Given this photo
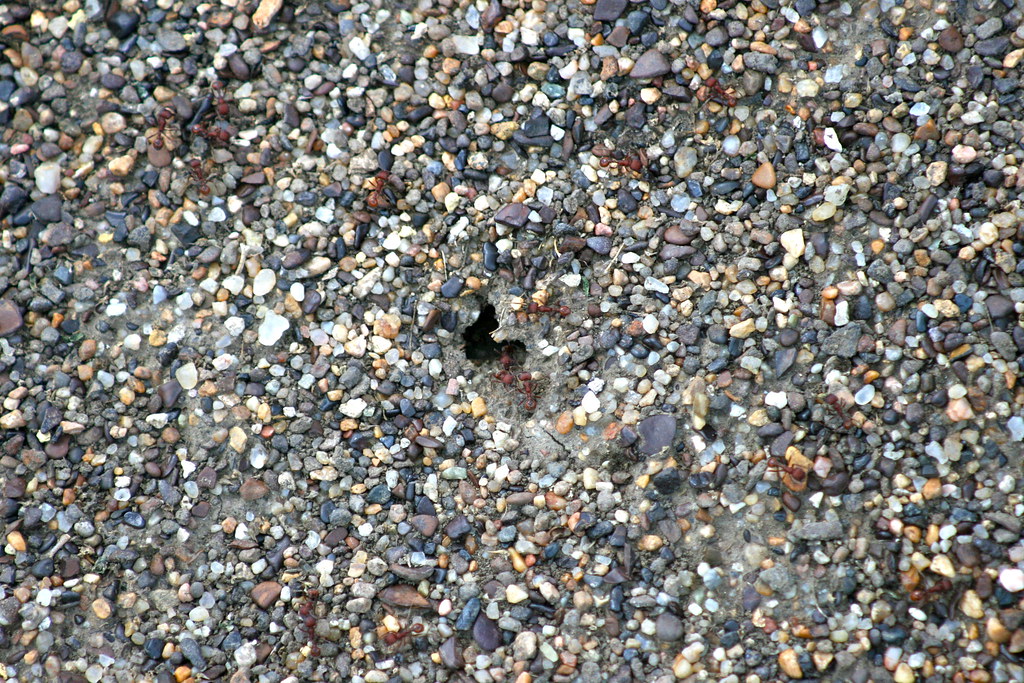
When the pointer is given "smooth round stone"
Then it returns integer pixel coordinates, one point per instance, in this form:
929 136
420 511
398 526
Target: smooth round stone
731 145
264 282
864 395
298 291
900 143
823 211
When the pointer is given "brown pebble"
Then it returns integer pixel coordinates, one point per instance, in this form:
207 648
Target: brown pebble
266 593
253 489
764 176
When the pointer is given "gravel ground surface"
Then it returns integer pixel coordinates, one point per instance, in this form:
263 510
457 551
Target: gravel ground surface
511 341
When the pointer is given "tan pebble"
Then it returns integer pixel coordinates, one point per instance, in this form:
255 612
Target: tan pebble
959 409
479 407
822 660
101 608
972 605
651 543
182 673
681 668
790 664
563 425
122 165
1012 59
932 488
126 396
16 541
440 191
387 326
764 176
518 563
904 674
997 631
515 594
742 329
237 439
943 566
87 349
13 420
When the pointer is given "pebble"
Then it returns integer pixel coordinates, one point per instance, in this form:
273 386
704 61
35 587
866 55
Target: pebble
272 328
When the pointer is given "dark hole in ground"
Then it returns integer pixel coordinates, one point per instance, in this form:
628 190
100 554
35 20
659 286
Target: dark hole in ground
480 345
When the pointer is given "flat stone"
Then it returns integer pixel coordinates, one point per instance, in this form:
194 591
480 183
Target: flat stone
820 531
513 215
609 10
650 65
253 489
999 306
657 432
452 287
486 634
668 628
266 593
403 595
951 40
10 317
842 342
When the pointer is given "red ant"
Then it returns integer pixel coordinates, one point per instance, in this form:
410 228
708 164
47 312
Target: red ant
527 387
378 196
524 382
309 620
222 105
634 161
795 478
158 138
392 638
196 168
924 593
712 89
221 135
534 307
836 404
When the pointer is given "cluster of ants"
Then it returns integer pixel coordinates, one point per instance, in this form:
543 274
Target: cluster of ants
164 134
523 382
307 612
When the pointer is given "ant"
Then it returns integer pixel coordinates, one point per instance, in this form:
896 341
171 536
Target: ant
712 89
392 638
309 620
527 386
160 136
836 404
380 194
534 307
524 382
635 161
221 135
196 168
795 478
222 105
925 593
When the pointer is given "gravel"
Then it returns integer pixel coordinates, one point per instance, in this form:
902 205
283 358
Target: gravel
566 341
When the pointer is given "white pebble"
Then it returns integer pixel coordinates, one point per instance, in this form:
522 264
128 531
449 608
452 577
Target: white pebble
187 376
234 284
776 399
264 282
650 324
1012 579
47 177
271 329
865 395
298 291
590 402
